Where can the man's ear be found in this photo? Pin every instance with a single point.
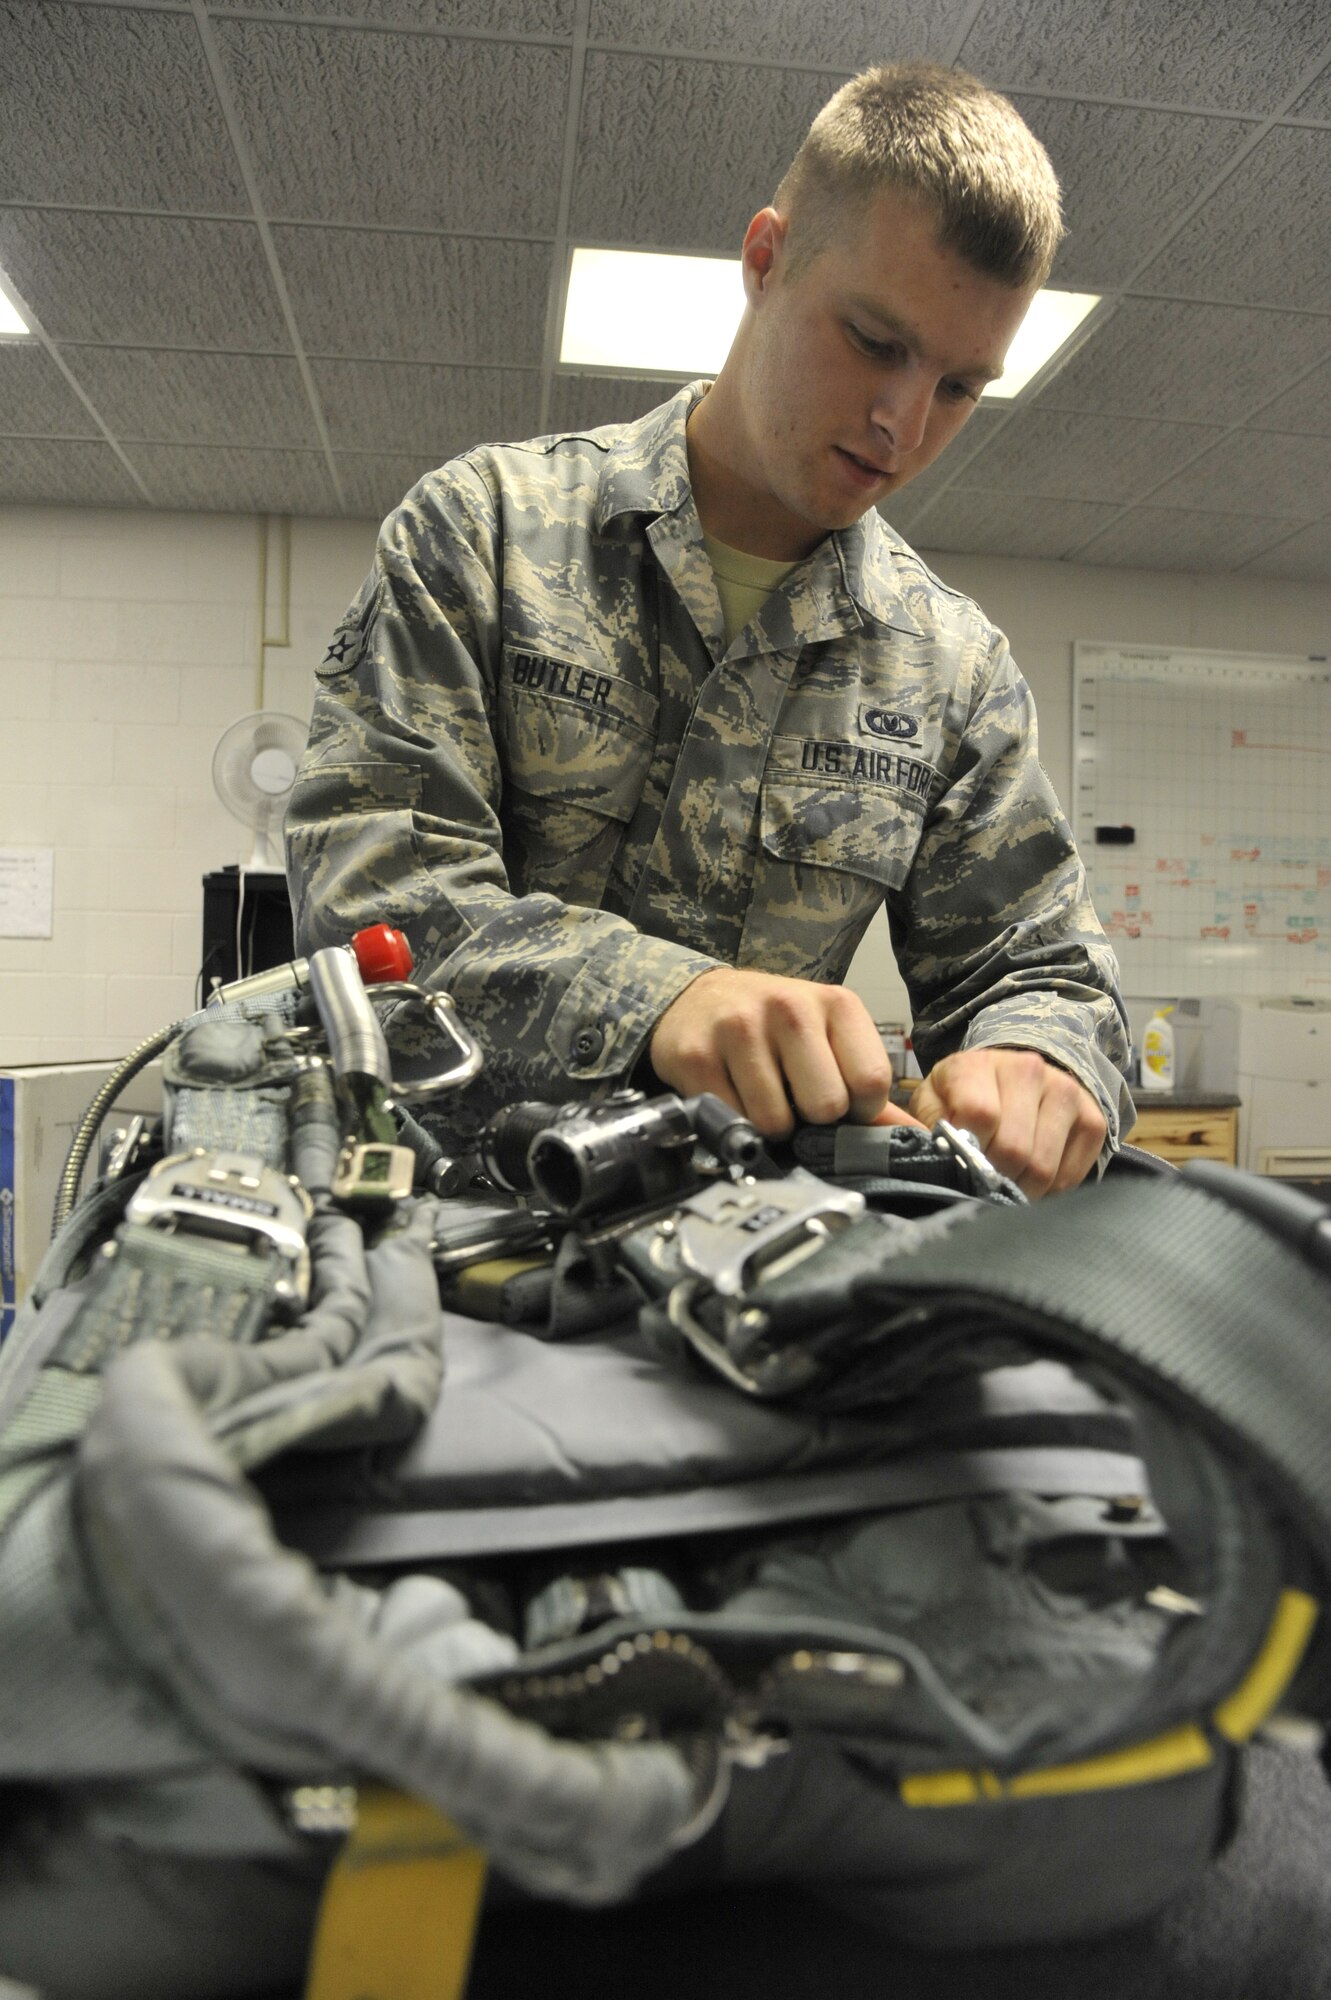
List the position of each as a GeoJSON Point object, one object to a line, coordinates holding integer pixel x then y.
{"type": "Point", "coordinates": [764, 245]}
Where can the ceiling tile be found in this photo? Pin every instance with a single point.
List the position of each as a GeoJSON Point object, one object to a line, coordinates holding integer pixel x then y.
{"type": "Point", "coordinates": [182, 398]}
{"type": "Point", "coordinates": [142, 279]}
{"type": "Point", "coordinates": [585, 402]}
{"type": "Point", "coordinates": [357, 127]}
{"type": "Point", "coordinates": [1162, 538]}
{"type": "Point", "coordinates": [1265, 236]}
{"type": "Point", "coordinates": [681, 155]}
{"type": "Point", "coordinates": [1186, 362]}
{"type": "Point", "coordinates": [902, 511]}
{"type": "Point", "coordinates": [416, 298]}
{"type": "Point", "coordinates": [1305, 557]}
{"type": "Point", "coordinates": [35, 399]}
{"type": "Point", "coordinates": [1304, 409]}
{"type": "Point", "coordinates": [375, 483]}
{"type": "Point", "coordinates": [391, 406]}
{"type": "Point", "coordinates": [216, 480]}
{"type": "Point", "coordinates": [136, 89]}
{"type": "Point", "coordinates": [1316, 101]}
{"type": "Point", "coordinates": [1065, 456]}
{"type": "Point", "coordinates": [50, 471]}
{"type": "Point", "coordinates": [552, 20]}
{"type": "Point", "coordinates": [994, 524]}
{"type": "Point", "coordinates": [1161, 162]}
{"type": "Point", "coordinates": [853, 33]}
{"type": "Point", "coordinates": [1209, 52]}
{"type": "Point", "coordinates": [1259, 472]}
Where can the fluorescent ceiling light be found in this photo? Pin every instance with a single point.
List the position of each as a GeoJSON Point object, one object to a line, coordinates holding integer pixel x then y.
{"type": "Point", "coordinates": [1051, 321]}
{"type": "Point", "coordinates": [648, 313]}
{"type": "Point", "coordinates": [651, 314]}
{"type": "Point", "coordinates": [12, 321]}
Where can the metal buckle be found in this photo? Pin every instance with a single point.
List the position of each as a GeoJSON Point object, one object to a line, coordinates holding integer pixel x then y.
{"type": "Point", "coordinates": [984, 1176]}
{"type": "Point", "coordinates": [439, 1008]}
{"type": "Point", "coordinates": [734, 1232]}
{"type": "Point", "coordinates": [372, 1173]}
{"type": "Point", "coordinates": [235, 1199]}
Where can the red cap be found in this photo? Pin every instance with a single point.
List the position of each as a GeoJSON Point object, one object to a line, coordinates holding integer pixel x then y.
{"type": "Point", "coordinates": [382, 954]}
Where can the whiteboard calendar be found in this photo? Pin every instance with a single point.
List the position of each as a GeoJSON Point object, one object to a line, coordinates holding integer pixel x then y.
{"type": "Point", "coordinates": [1203, 815]}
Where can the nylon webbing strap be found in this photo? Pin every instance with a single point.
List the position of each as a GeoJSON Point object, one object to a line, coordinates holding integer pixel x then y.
{"type": "Point", "coordinates": [160, 1288]}
{"type": "Point", "coordinates": [400, 1908]}
{"type": "Point", "coordinates": [1177, 1289]}
{"type": "Point", "coordinates": [889, 1151]}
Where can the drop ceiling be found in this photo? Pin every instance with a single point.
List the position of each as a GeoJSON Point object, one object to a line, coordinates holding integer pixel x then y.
{"type": "Point", "coordinates": [284, 258]}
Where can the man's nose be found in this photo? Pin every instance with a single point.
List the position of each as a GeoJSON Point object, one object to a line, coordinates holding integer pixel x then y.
{"type": "Point", "coordinates": [901, 410]}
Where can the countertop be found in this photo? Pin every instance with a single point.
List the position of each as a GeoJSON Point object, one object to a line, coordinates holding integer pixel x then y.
{"type": "Point", "coordinates": [1184, 1100]}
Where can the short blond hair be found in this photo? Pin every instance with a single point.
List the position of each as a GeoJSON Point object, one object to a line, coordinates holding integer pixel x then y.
{"type": "Point", "coordinates": [945, 139]}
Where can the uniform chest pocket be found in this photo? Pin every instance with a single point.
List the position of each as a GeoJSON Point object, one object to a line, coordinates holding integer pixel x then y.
{"type": "Point", "coordinates": [576, 745]}
{"type": "Point", "coordinates": [574, 732]}
{"type": "Point", "coordinates": [828, 854]}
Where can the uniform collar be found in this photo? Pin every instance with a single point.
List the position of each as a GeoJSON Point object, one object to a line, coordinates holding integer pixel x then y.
{"type": "Point", "coordinates": [869, 569]}
{"type": "Point", "coordinates": [646, 471]}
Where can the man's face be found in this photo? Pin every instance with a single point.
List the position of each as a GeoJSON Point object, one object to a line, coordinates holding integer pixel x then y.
{"type": "Point", "coordinates": [862, 365]}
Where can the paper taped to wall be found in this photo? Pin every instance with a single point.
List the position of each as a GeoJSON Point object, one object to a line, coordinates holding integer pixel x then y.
{"type": "Point", "coordinates": [27, 876]}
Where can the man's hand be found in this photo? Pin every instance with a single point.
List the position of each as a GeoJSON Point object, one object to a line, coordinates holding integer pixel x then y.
{"type": "Point", "coordinates": [1035, 1122]}
{"type": "Point", "coordinates": [763, 1044]}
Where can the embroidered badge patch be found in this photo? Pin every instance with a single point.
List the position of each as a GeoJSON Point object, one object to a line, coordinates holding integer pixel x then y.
{"type": "Point", "coordinates": [890, 723]}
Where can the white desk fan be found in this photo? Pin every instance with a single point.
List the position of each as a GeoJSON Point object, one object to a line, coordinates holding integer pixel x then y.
{"type": "Point", "coordinates": [254, 769]}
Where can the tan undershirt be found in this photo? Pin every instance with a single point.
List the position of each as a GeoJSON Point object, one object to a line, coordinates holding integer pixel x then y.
{"type": "Point", "coordinates": [743, 583]}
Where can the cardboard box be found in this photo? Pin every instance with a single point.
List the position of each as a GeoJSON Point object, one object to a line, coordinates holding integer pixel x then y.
{"type": "Point", "coordinates": [41, 1108]}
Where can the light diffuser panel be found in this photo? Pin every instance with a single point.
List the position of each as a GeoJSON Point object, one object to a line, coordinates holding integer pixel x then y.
{"type": "Point", "coordinates": [652, 313]}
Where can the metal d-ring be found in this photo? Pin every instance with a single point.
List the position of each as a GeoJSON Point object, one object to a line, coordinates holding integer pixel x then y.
{"type": "Point", "coordinates": [439, 1009]}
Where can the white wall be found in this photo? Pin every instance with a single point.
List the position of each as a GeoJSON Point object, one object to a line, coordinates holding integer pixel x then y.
{"type": "Point", "coordinates": [129, 640]}
{"type": "Point", "coordinates": [127, 643]}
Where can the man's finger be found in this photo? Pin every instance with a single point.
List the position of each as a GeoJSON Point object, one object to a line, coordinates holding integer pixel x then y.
{"type": "Point", "coordinates": [1080, 1152]}
{"type": "Point", "coordinates": [760, 1084]}
{"type": "Point", "coordinates": [813, 1076]}
{"type": "Point", "coordinates": [892, 1114]}
{"type": "Point", "coordinates": [857, 1049]}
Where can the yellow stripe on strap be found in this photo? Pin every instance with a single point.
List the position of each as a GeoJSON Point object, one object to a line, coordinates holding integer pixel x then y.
{"type": "Point", "coordinates": [1146, 1763]}
{"type": "Point", "coordinates": [400, 1908]}
{"type": "Point", "coordinates": [1167, 1756]}
{"type": "Point", "coordinates": [1273, 1669]}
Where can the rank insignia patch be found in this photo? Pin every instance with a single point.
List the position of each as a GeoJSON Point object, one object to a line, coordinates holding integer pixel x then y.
{"type": "Point", "coordinates": [349, 641]}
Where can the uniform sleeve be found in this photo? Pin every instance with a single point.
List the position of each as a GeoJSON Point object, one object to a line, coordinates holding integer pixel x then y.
{"type": "Point", "coordinates": [396, 818]}
{"type": "Point", "coordinates": [994, 930]}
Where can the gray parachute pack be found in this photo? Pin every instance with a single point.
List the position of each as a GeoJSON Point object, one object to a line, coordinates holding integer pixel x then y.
{"type": "Point", "coordinates": [627, 1497]}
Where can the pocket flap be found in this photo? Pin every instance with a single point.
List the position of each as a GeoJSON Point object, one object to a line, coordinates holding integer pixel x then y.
{"type": "Point", "coordinates": [849, 828]}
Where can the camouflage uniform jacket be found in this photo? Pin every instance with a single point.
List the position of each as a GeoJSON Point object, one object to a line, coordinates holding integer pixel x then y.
{"type": "Point", "coordinates": [532, 749]}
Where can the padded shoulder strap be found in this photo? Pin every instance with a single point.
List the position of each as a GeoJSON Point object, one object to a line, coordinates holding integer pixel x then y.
{"type": "Point", "coordinates": [1194, 1298]}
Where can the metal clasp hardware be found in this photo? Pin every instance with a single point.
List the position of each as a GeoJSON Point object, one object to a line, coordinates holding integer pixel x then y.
{"type": "Point", "coordinates": [327, 1812]}
{"type": "Point", "coordinates": [985, 1177]}
{"type": "Point", "coordinates": [439, 1009]}
{"type": "Point", "coordinates": [733, 1232]}
{"type": "Point", "coordinates": [372, 1172]}
{"type": "Point", "coordinates": [235, 1199]}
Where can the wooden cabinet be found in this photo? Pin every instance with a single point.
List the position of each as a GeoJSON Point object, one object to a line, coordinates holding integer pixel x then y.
{"type": "Point", "coordinates": [1183, 1132]}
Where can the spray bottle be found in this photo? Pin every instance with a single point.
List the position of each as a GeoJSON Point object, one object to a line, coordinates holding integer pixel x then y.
{"type": "Point", "coordinates": [1157, 1064]}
